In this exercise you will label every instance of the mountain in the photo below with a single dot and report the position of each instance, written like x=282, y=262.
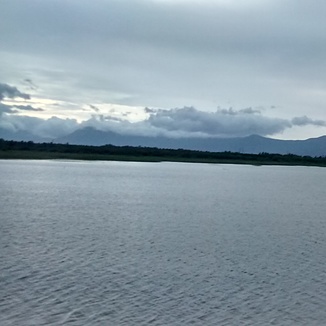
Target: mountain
x=252, y=144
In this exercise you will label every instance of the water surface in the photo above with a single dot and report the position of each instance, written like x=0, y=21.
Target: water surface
x=122, y=243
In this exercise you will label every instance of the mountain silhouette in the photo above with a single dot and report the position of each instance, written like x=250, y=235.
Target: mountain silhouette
x=252, y=144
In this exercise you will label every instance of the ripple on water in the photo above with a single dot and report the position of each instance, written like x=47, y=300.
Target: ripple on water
x=161, y=244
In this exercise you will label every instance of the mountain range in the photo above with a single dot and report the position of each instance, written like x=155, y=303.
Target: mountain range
x=252, y=144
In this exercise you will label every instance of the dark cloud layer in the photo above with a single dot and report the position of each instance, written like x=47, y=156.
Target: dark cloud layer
x=7, y=91
x=12, y=92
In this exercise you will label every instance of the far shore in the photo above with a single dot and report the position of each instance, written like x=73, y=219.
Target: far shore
x=35, y=155
x=51, y=151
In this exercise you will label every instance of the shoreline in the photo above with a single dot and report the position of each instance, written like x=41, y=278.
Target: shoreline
x=35, y=155
x=47, y=151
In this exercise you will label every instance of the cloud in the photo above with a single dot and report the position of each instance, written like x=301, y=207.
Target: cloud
x=7, y=91
x=13, y=109
x=94, y=108
x=11, y=92
x=49, y=128
x=55, y=127
x=190, y=122
x=222, y=123
x=230, y=111
x=6, y=109
x=250, y=111
x=27, y=108
x=149, y=110
x=177, y=122
x=30, y=84
x=304, y=121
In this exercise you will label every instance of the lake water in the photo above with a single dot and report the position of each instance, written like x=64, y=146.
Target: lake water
x=118, y=243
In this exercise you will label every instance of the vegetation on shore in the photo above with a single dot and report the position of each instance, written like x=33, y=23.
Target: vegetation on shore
x=31, y=150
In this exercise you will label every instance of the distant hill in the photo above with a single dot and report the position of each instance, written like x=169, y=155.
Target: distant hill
x=252, y=144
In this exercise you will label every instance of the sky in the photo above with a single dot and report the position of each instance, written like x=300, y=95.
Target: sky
x=179, y=68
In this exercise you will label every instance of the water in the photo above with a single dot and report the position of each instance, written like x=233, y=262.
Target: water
x=113, y=243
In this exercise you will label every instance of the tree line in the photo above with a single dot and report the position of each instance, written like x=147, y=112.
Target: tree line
x=107, y=151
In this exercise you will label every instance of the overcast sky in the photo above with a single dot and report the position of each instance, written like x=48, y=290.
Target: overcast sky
x=176, y=67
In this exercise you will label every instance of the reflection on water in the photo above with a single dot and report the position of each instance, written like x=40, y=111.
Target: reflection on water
x=86, y=243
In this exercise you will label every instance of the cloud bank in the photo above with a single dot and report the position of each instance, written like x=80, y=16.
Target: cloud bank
x=176, y=122
x=222, y=123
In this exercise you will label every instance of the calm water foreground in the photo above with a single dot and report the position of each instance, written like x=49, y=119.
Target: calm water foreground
x=117, y=243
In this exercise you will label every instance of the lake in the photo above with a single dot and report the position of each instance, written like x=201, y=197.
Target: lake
x=123, y=243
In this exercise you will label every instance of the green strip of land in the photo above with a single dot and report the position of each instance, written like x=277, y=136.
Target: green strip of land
x=31, y=150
